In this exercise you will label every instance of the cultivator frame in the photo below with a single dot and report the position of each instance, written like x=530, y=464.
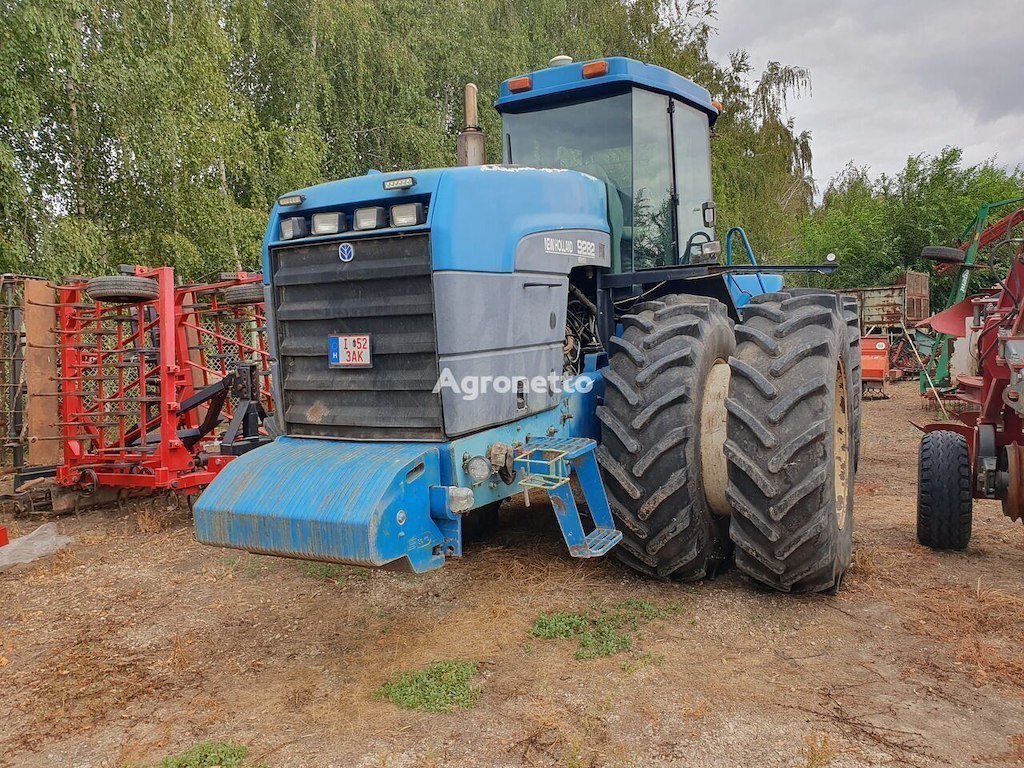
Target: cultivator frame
x=145, y=384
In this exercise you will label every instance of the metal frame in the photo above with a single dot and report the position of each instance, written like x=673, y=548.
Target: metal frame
x=143, y=385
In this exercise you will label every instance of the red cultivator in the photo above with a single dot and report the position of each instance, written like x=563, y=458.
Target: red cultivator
x=151, y=372
x=983, y=456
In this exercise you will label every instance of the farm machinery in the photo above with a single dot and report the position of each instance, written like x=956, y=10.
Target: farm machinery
x=982, y=456
x=444, y=339
x=979, y=235
x=156, y=385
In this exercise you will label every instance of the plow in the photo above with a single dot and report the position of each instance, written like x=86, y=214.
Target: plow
x=982, y=455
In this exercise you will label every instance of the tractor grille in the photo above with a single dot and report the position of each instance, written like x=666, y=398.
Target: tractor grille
x=385, y=291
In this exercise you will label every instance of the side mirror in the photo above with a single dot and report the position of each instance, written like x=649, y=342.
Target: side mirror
x=708, y=209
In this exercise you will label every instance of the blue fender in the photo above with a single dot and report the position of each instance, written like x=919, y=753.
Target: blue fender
x=364, y=504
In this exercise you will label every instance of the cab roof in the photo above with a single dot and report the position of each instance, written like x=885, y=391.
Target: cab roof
x=566, y=83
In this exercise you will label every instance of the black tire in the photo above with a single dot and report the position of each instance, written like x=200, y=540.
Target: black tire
x=122, y=289
x=855, y=388
x=944, y=503
x=789, y=442
x=243, y=295
x=942, y=254
x=650, y=436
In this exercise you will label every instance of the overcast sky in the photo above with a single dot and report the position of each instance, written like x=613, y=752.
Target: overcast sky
x=892, y=78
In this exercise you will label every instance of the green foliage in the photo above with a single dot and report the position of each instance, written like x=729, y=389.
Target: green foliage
x=877, y=227
x=441, y=687
x=559, y=625
x=161, y=131
x=210, y=754
x=603, y=631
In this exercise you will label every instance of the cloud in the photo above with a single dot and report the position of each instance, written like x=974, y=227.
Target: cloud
x=891, y=79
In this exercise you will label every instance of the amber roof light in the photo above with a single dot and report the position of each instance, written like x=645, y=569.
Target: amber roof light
x=518, y=84
x=595, y=69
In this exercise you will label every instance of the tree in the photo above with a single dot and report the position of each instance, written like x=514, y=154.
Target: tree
x=160, y=131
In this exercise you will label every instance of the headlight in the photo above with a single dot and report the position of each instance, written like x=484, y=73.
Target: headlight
x=371, y=218
x=293, y=228
x=328, y=223
x=407, y=215
x=478, y=468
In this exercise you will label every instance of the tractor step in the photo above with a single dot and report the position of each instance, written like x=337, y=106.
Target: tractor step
x=547, y=464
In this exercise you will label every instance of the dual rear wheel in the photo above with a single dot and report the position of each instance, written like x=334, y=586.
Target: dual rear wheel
x=715, y=437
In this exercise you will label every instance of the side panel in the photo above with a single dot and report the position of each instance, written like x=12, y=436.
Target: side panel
x=561, y=251
x=494, y=397
x=478, y=312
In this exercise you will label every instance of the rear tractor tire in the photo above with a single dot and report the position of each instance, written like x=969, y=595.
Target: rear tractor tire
x=791, y=441
x=944, y=503
x=662, y=428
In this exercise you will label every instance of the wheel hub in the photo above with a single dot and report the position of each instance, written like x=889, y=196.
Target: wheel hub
x=713, y=463
x=841, y=447
x=1013, y=501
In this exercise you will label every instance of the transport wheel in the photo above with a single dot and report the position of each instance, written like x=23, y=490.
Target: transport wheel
x=790, y=442
x=944, y=504
x=664, y=403
x=243, y=295
x=942, y=255
x=122, y=289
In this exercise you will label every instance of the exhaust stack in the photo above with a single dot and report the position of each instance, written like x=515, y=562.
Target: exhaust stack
x=471, y=145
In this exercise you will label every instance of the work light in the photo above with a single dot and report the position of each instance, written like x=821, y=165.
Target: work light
x=328, y=223
x=371, y=218
x=405, y=182
x=407, y=215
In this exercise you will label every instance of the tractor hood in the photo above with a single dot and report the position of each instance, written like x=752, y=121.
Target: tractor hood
x=476, y=215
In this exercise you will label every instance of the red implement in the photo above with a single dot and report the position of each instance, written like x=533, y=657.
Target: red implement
x=149, y=379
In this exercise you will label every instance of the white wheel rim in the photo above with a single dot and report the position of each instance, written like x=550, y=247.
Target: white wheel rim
x=713, y=463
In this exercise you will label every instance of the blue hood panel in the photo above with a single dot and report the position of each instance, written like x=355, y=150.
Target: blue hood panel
x=363, y=504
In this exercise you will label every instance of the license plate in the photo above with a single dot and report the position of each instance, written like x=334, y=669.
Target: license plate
x=350, y=351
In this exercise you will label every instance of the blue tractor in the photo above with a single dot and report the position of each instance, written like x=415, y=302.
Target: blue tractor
x=445, y=339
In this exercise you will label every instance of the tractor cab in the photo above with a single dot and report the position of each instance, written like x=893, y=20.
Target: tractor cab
x=642, y=130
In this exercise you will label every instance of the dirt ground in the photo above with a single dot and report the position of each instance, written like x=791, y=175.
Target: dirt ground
x=137, y=643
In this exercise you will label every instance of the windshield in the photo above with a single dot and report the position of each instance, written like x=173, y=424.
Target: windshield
x=625, y=141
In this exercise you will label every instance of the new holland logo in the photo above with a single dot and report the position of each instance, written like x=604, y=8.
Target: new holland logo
x=346, y=252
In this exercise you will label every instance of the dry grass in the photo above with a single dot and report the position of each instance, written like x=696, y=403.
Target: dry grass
x=81, y=687
x=819, y=750
x=109, y=645
x=156, y=515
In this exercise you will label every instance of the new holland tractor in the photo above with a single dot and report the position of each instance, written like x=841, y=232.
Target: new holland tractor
x=445, y=339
